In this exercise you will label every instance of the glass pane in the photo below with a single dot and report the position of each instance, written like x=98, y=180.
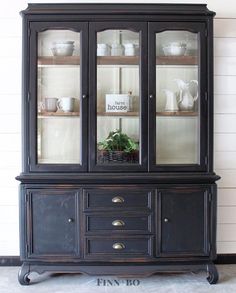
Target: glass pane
x=177, y=100
x=59, y=135
x=118, y=97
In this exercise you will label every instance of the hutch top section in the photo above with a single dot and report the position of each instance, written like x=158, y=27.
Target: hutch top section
x=118, y=88
x=102, y=10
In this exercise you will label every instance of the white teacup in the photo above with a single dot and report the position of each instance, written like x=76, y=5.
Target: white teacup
x=66, y=104
x=50, y=104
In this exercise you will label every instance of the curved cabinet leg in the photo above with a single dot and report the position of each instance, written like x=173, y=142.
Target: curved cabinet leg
x=213, y=275
x=23, y=275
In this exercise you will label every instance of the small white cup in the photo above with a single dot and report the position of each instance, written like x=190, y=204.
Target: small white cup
x=49, y=105
x=103, y=50
x=66, y=104
x=117, y=50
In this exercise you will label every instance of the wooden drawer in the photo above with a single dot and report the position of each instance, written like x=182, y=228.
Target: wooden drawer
x=119, y=246
x=117, y=198
x=118, y=223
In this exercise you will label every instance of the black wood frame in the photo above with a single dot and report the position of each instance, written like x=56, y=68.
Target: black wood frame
x=14, y=261
x=141, y=28
x=35, y=28
x=200, y=28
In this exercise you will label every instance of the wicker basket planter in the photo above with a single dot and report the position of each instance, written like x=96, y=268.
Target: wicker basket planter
x=104, y=157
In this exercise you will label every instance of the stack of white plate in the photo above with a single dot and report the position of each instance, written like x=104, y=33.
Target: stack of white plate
x=63, y=48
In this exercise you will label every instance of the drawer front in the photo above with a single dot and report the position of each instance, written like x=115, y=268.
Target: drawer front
x=117, y=198
x=119, y=247
x=101, y=223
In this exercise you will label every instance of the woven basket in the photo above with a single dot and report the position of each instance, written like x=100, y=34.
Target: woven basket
x=104, y=157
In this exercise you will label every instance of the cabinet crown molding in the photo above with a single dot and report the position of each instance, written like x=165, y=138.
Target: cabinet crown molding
x=119, y=9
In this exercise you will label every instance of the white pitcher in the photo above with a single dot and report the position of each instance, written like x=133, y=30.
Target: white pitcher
x=186, y=100
x=171, y=101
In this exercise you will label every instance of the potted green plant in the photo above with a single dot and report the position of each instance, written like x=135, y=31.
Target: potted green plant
x=118, y=147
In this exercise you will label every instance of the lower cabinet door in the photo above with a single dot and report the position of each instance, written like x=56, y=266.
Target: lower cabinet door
x=52, y=223
x=184, y=221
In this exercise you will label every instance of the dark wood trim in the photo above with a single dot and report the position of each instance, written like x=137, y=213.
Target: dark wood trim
x=210, y=91
x=113, y=178
x=10, y=261
x=222, y=259
x=118, y=9
x=225, y=259
x=24, y=92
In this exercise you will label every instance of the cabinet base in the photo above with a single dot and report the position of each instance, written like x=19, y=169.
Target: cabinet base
x=118, y=270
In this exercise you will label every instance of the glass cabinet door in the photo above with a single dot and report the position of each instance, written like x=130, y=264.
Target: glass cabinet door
x=61, y=135
x=177, y=96
x=118, y=85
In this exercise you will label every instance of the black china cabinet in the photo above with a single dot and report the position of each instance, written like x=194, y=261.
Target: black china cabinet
x=117, y=122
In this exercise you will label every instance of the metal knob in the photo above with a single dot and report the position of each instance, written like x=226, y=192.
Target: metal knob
x=166, y=220
x=70, y=220
x=118, y=246
x=151, y=96
x=118, y=199
x=118, y=223
x=84, y=96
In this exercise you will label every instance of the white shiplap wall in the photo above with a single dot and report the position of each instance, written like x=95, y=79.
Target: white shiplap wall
x=225, y=131
x=225, y=119
x=10, y=137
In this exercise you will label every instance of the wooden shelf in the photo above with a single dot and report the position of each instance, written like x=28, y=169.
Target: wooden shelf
x=59, y=60
x=177, y=113
x=117, y=60
x=129, y=114
x=59, y=114
x=117, y=114
x=177, y=60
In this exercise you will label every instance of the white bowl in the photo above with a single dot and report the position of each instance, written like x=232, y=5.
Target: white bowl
x=175, y=49
x=102, y=46
x=62, y=50
x=58, y=43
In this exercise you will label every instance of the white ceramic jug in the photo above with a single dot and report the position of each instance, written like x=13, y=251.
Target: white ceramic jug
x=171, y=101
x=186, y=99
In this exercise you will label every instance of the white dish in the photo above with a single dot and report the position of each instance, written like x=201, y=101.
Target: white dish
x=62, y=51
x=175, y=49
x=63, y=48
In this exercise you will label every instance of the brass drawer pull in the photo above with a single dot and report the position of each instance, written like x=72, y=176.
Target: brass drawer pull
x=118, y=199
x=118, y=223
x=118, y=246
